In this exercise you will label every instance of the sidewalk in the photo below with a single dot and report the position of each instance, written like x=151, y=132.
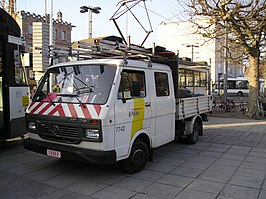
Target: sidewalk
x=228, y=162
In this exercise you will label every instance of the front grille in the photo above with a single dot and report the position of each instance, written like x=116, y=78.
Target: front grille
x=60, y=133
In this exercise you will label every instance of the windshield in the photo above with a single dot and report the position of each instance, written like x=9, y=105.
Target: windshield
x=76, y=84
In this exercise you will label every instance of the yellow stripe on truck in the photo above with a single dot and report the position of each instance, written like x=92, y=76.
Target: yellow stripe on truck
x=138, y=116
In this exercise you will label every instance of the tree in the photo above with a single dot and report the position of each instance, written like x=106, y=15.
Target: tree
x=244, y=21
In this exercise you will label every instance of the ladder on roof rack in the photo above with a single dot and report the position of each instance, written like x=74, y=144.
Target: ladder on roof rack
x=102, y=48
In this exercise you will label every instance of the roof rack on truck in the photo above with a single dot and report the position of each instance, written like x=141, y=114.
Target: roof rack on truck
x=108, y=47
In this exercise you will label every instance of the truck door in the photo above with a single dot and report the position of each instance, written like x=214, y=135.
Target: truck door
x=164, y=109
x=132, y=109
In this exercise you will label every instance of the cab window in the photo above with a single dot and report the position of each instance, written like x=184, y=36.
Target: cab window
x=132, y=85
x=161, y=84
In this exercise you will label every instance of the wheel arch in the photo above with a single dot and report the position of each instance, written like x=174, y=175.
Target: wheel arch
x=189, y=125
x=143, y=136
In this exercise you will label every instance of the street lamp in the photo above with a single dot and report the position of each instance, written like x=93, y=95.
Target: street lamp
x=90, y=10
x=192, y=51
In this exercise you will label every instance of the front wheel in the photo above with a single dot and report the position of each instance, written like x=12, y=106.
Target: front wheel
x=137, y=159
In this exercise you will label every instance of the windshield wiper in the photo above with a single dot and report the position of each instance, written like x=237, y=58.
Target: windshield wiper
x=86, y=89
x=72, y=95
x=67, y=95
x=46, y=96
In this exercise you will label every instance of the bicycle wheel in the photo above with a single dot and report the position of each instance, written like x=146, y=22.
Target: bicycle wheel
x=220, y=108
x=228, y=108
x=257, y=113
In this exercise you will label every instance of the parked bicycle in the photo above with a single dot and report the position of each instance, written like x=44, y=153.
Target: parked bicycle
x=218, y=104
x=258, y=111
x=242, y=106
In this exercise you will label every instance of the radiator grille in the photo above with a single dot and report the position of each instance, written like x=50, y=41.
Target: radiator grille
x=60, y=133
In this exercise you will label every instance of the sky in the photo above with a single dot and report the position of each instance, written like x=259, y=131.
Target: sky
x=159, y=10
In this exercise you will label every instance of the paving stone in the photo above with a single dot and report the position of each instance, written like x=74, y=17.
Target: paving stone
x=203, y=159
x=161, y=167
x=113, y=193
x=188, y=172
x=149, y=175
x=62, y=181
x=85, y=187
x=219, y=148
x=206, y=186
x=195, y=165
x=239, y=150
x=253, y=165
x=132, y=184
x=264, y=185
x=175, y=180
x=145, y=196
x=189, y=151
x=256, y=159
x=215, y=177
x=22, y=169
x=162, y=190
x=262, y=195
x=250, y=173
x=64, y=194
x=221, y=169
x=211, y=154
x=227, y=162
x=246, y=181
x=7, y=164
x=238, y=192
x=30, y=189
x=171, y=161
x=190, y=194
x=231, y=156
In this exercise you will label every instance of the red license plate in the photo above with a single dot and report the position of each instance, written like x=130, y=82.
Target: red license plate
x=52, y=153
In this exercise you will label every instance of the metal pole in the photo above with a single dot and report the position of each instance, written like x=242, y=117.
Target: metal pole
x=226, y=65
x=51, y=24
x=90, y=23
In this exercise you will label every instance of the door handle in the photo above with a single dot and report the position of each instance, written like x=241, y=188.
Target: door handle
x=147, y=104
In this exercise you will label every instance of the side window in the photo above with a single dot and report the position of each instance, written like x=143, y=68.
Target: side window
x=132, y=85
x=161, y=84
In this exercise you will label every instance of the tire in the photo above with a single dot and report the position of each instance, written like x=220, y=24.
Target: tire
x=222, y=108
x=197, y=130
x=228, y=108
x=137, y=159
x=240, y=94
x=257, y=113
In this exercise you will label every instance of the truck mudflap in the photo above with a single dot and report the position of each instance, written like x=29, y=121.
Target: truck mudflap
x=71, y=153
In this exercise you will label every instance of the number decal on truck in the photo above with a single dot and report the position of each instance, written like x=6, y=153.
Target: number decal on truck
x=119, y=129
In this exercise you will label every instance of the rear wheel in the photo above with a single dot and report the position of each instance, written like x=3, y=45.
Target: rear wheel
x=239, y=94
x=137, y=159
x=257, y=113
x=197, y=130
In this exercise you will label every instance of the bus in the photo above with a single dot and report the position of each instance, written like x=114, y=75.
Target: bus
x=238, y=86
x=14, y=89
x=194, y=77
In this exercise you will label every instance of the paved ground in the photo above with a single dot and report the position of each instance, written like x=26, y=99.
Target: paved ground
x=228, y=162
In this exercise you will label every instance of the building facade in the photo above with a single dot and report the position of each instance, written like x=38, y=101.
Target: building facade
x=182, y=37
x=35, y=30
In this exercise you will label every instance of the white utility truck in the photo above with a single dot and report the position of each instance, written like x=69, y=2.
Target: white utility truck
x=108, y=109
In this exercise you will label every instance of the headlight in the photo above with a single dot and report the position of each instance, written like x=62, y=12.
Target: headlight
x=32, y=126
x=92, y=134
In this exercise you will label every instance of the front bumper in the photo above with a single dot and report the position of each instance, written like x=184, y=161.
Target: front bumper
x=71, y=153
